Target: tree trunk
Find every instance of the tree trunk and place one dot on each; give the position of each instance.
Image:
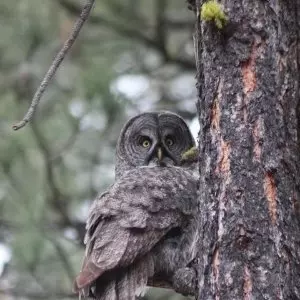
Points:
(248, 89)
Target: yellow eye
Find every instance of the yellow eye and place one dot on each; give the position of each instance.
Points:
(169, 142)
(146, 143)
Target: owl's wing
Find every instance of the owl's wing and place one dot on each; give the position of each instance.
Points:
(126, 222)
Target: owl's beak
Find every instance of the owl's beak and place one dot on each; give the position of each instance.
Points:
(159, 154)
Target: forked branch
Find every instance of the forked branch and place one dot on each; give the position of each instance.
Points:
(55, 64)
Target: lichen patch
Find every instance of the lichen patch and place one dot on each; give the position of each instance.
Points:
(270, 193)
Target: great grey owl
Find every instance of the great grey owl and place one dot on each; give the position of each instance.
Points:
(141, 228)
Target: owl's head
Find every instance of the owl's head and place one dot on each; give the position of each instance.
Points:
(152, 139)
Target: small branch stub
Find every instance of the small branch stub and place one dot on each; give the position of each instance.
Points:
(55, 64)
(213, 11)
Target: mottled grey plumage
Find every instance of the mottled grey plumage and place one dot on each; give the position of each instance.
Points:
(142, 226)
(158, 126)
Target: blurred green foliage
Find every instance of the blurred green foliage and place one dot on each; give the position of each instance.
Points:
(132, 56)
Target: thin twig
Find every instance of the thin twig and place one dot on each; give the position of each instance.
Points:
(55, 64)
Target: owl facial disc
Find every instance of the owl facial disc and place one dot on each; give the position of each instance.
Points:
(152, 139)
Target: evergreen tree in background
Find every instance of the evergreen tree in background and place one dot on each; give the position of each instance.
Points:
(131, 56)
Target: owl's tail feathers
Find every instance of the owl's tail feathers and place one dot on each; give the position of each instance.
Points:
(125, 284)
(89, 273)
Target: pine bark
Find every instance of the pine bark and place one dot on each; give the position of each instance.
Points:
(248, 103)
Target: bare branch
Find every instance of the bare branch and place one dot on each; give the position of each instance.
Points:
(63, 257)
(160, 30)
(55, 64)
(132, 33)
(70, 141)
(57, 199)
(57, 196)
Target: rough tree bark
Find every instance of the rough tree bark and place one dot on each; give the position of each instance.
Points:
(248, 89)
